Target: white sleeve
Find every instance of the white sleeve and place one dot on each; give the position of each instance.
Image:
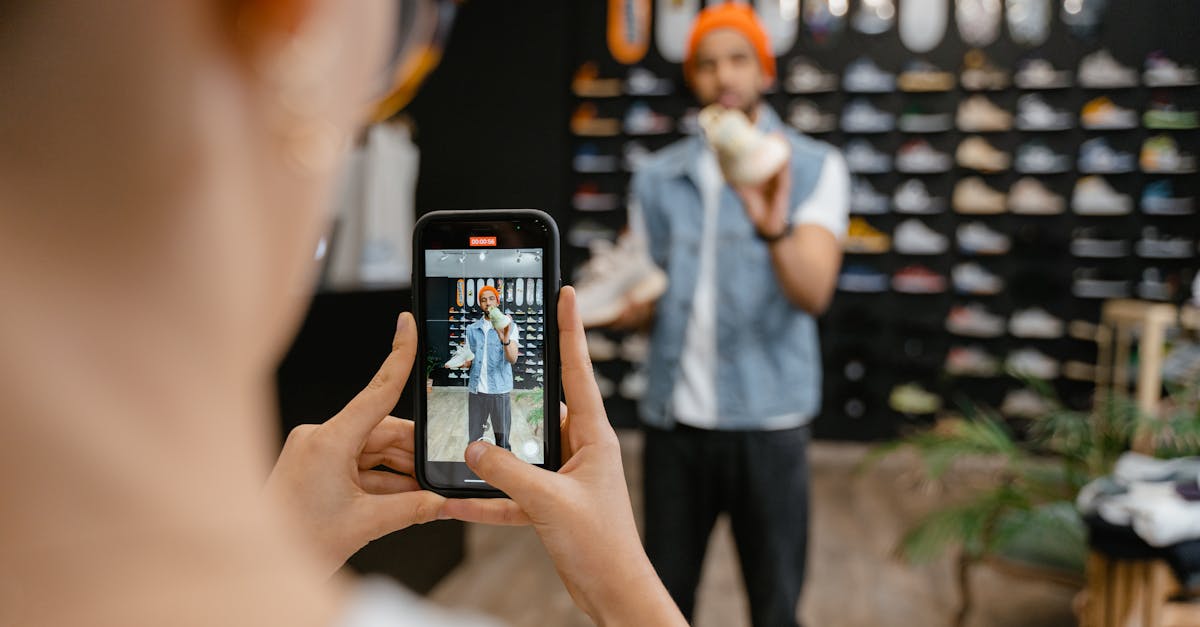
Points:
(829, 203)
(516, 333)
(639, 238)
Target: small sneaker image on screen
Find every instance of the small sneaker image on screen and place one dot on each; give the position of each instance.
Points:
(485, 351)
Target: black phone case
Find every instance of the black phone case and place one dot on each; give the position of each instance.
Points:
(553, 392)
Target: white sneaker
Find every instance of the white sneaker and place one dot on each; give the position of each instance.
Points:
(863, 158)
(1155, 246)
(1035, 322)
(1032, 363)
(1101, 70)
(916, 156)
(601, 348)
(1035, 157)
(975, 153)
(974, 320)
(806, 117)
(978, 114)
(971, 361)
(616, 274)
(976, 238)
(1035, 114)
(460, 357)
(1028, 196)
(635, 348)
(747, 155)
(1038, 73)
(913, 197)
(806, 77)
(1024, 403)
(865, 200)
(1164, 72)
(972, 278)
(860, 116)
(1093, 196)
(912, 237)
(862, 76)
(1093, 243)
(633, 386)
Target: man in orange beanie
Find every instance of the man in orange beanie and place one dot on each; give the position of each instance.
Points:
(734, 374)
(495, 347)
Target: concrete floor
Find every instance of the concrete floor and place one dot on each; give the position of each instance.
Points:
(854, 578)
(448, 425)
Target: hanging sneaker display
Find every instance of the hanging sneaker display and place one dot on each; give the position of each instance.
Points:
(977, 238)
(806, 117)
(806, 77)
(912, 237)
(975, 153)
(978, 21)
(917, 279)
(1100, 70)
(1034, 114)
(861, 117)
(923, 23)
(1158, 198)
(974, 320)
(1030, 363)
(1035, 157)
(863, 158)
(1161, 155)
(874, 17)
(1165, 115)
(825, 19)
(916, 156)
(862, 238)
(921, 76)
(972, 196)
(912, 197)
(640, 119)
(1161, 71)
(864, 199)
(1096, 156)
(980, 74)
(1038, 73)
(978, 114)
(971, 361)
(1029, 196)
(643, 82)
(864, 77)
(1102, 114)
(1093, 196)
(972, 278)
(1028, 21)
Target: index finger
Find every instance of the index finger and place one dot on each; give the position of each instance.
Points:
(588, 418)
(370, 406)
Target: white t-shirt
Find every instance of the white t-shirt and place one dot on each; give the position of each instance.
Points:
(694, 398)
(513, 336)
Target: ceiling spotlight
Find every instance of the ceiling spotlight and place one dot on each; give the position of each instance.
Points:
(482, 255)
(444, 256)
(518, 256)
(462, 258)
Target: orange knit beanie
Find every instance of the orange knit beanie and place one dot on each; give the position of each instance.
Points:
(739, 17)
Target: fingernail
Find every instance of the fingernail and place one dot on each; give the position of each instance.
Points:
(402, 322)
(474, 452)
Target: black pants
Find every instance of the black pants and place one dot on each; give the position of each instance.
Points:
(760, 478)
(484, 407)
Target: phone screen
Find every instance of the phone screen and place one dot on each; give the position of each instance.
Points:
(486, 334)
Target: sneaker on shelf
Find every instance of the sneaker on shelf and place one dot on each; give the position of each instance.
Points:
(917, 279)
(978, 114)
(1100, 70)
(1035, 323)
(1038, 73)
(1079, 371)
(635, 348)
(1158, 198)
(600, 348)
(1156, 246)
(1096, 156)
(974, 320)
(616, 276)
(911, 398)
(862, 157)
(916, 156)
(972, 278)
(633, 385)
(1161, 155)
(1097, 243)
(1165, 115)
(979, 74)
(912, 237)
(634, 155)
(917, 120)
(1025, 403)
(973, 196)
(588, 197)
(1102, 114)
(643, 82)
(921, 76)
(806, 77)
(1091, 283)
(1161, 71)
(864, 199)
(860, 116)
(862, 279)
(589, 160)
(583, 233)
(1029, 196)
(605, 385)
(864, 77)
(975, 153)
(1035, 157)
(805, 116)
(587, 83)
(971, 361)
(976, 238)
(1031, 363)
(1153, 287)
(460, 357)
(864, 239)
(747, 155)
(1093, 196)
(640, 119)
(1035, 114)
(586, 122)
(689, 122)
(913, 197)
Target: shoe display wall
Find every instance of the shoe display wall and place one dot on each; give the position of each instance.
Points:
(1033, 174)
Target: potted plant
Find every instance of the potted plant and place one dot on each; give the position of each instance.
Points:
(1028, 518)
(431, 364)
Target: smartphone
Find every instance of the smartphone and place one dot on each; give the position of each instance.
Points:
(485, 295)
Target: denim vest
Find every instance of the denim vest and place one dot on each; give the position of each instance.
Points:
(500, 375)
(768, 358)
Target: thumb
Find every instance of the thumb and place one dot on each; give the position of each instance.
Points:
(521, 481)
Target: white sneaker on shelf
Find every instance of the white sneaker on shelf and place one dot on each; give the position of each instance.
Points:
(976, 238)
(1029, 196)
(1035, 322)
(972, 278)
(460, 357)
(1030, 362)
(747, 155)
(1093, 196)
(912, 237)
(615, 276)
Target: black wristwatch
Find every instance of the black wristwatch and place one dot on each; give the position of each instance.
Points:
(506, 343)
(771, 239)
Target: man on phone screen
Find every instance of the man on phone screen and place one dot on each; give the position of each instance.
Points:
(494, 339)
